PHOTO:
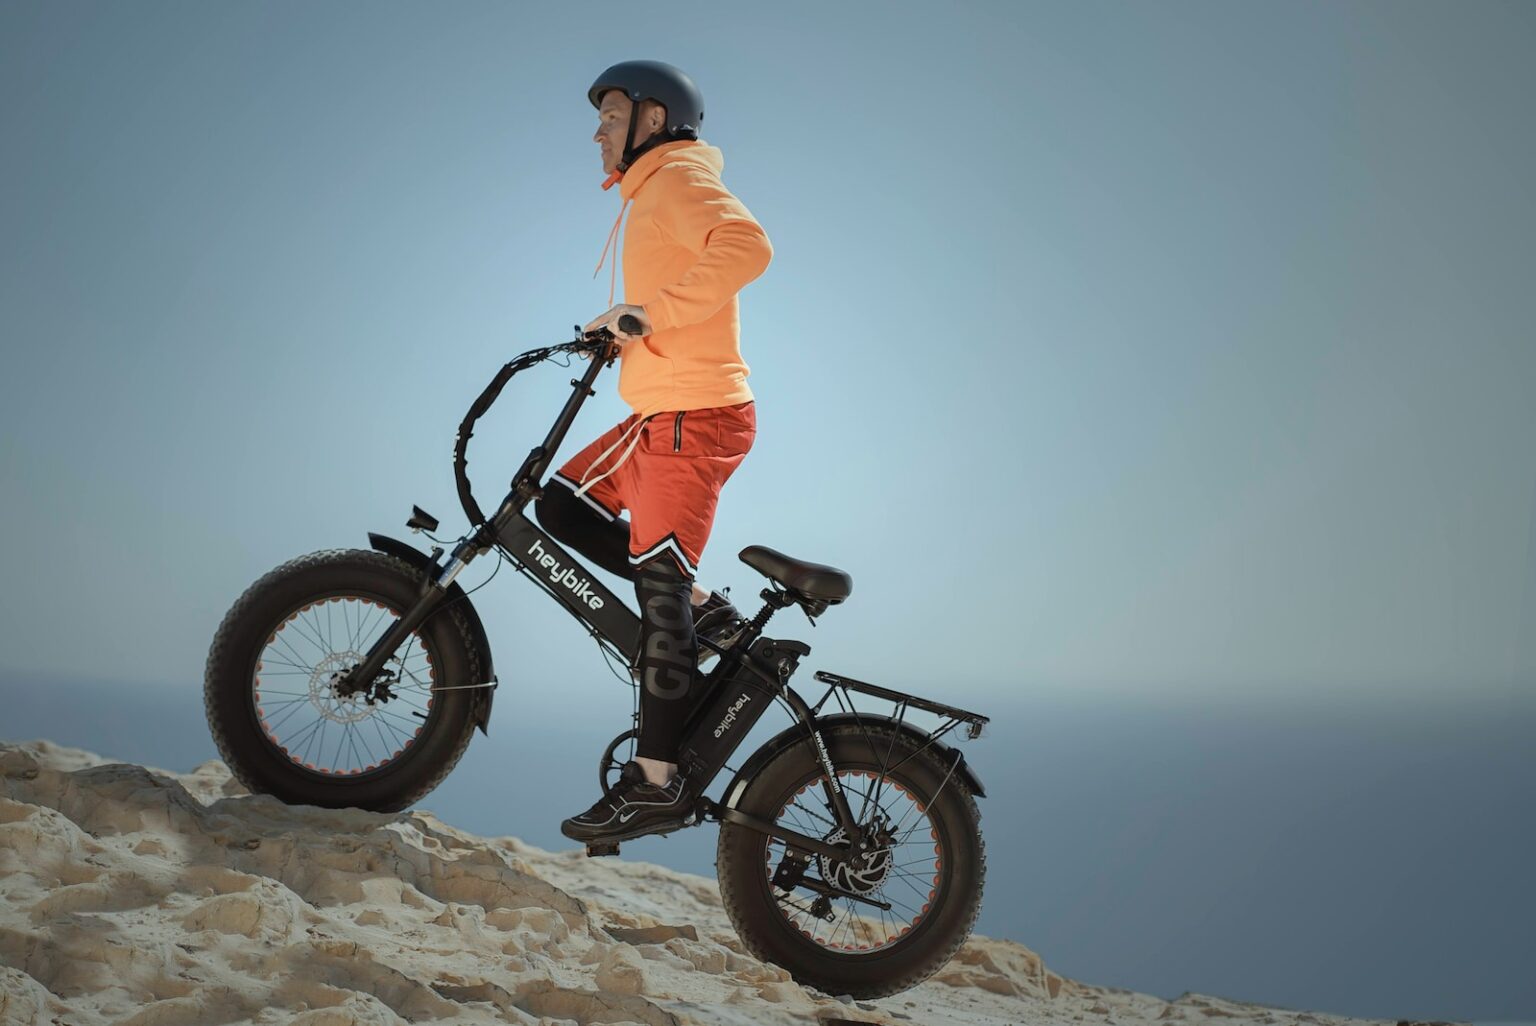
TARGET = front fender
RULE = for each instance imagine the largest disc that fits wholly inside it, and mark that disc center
(482, 697)
(796, 732)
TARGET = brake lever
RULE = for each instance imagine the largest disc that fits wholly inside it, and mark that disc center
(610, 348)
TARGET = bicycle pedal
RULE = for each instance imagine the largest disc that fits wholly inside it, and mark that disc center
(596, 848)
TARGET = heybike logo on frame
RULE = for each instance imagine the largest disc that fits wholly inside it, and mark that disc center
(730, 715)
(580, 587)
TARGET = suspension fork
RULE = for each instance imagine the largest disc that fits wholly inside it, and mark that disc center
(434, 588)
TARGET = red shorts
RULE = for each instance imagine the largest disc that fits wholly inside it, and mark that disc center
(667, 470)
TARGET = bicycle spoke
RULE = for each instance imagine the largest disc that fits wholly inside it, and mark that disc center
(346, 623)
(359, 737)
(800, 823)
(903, 865)
(908, 881)
(300, 671)
(838, 926)
(903, 821)
(274, 724)
(393, 716)
(825, 819)
(317, 734)
(376, 721)
(290, 648)
(312, 637)
(341, 743)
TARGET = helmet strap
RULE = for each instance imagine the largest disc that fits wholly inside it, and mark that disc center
(630, 153)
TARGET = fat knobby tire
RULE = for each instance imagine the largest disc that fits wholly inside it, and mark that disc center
(747, 894)
(227, 684)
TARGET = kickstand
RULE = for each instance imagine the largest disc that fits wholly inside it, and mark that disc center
(596, 848)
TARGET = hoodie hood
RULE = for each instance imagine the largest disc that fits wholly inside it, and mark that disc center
(688, 151)
(694, 151)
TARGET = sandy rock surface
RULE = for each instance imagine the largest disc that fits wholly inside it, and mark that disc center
(136, 896)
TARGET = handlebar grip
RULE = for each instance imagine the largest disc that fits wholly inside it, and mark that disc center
(629, 324)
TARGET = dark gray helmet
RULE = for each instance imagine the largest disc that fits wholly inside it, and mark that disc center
(659, 81)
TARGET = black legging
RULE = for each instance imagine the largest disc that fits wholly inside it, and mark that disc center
(667, 652)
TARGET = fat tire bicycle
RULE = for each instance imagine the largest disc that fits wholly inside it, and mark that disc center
(850, 849)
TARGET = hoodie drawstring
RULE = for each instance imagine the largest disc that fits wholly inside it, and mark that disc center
(585, 484)
(615, 269)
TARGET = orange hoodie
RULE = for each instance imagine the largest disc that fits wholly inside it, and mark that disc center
(689, 247)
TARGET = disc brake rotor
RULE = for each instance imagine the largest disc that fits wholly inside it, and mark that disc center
(863, 874)
(339, 708)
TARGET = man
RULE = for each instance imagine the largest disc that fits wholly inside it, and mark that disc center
(689, 247)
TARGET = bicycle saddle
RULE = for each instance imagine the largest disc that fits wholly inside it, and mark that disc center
(813, 580)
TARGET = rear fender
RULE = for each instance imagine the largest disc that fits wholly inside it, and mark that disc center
(796, 733)
(481, 707)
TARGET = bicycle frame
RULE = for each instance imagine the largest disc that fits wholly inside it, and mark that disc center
(726, 702)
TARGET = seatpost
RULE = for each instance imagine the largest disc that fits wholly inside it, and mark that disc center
(773, 601)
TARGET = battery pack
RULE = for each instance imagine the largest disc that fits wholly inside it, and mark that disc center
(729, 713)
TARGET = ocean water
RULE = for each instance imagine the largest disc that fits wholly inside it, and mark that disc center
(1368, 861)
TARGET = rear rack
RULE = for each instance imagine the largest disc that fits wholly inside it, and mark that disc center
(955, 716)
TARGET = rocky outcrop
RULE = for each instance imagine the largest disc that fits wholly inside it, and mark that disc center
(140, 897)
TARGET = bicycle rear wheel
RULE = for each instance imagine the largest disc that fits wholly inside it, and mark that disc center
(927, 867)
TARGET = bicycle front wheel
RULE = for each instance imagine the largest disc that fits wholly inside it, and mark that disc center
(269, 688)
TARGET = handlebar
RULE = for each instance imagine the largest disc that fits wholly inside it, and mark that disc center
(629, 324)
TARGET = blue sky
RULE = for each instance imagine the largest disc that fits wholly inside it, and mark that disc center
(1124, 353)
(1176, 347)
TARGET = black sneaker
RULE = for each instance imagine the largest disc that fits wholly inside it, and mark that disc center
(719, 621)
(633, 808)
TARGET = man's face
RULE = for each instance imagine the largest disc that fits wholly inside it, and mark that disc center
(613, 116)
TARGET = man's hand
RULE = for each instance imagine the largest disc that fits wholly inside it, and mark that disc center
(610, 320)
